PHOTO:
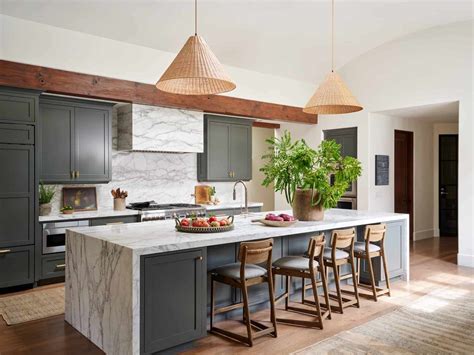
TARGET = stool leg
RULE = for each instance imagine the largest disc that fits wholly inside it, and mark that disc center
(387, 278)
(335, 269)
(358, 271)
(212, 303)
(326, 291)
(302, 290)
(288, 286)
(316, 298)
(372, 277)
(271, 294)
(354, 282)
(247, 313)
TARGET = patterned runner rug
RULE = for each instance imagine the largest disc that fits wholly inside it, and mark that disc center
(32, 305)
(441, 322)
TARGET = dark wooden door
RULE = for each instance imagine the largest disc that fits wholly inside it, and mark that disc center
(448, 185)
(404, 175)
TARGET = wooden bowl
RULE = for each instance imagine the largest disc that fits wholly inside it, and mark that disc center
(276, 223)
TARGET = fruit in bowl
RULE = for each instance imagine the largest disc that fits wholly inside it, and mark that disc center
(283, 217)
(205, 223)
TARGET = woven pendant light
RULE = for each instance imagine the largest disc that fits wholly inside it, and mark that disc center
(333, 96)
(195, 70)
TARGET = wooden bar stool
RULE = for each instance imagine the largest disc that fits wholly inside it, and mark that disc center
(306, 268)
(367, 250)
(242, 275)
(341, 253)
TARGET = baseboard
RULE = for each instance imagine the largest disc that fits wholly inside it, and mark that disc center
(425, 234)
(466, 260)
(436, 232)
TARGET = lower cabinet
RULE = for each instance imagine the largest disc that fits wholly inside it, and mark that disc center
(173, 299)
(53, 265)
(113, 220)
(16, 266)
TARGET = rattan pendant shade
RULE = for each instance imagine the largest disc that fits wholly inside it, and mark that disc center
(332, 97)
(195, 71)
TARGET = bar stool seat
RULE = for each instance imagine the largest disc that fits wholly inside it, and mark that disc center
(340, 254)
(359, 247)
(294, 263)
(233, 271)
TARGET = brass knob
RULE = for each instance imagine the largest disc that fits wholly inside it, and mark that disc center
(199, 258)
(77, 174)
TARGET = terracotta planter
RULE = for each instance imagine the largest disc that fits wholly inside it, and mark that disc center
(302, 208)
(119, 204)
(45, 209)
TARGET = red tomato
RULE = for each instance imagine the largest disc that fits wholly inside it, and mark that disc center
(212, 219)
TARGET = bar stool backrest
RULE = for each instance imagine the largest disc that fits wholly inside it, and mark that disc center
(256, 252)
(375, 233)
(316, 246)
(343, 238)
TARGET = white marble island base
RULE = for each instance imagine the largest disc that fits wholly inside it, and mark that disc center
(103, 267)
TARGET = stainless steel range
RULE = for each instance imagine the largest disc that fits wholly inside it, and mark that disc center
(152, 211)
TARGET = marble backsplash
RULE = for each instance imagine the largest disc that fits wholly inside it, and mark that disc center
(163, 177)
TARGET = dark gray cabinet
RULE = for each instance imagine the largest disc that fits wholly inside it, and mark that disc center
(17, 195)
(75, 141)
(113, 220)
(173, 299)
(16, 266)
(18, 106)
(227, 149)
(346, 137)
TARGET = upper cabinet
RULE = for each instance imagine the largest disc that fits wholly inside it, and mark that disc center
(346, 137)
(76, 141)
(159, 129)
(18, 106)
(227, 149)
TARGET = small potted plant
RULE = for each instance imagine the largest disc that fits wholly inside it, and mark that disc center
(312, 180)
(46, 194)
(67, 209)
(119, 199)
(212, 194)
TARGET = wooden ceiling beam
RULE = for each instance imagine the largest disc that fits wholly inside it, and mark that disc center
(265, 125)
(99, 87)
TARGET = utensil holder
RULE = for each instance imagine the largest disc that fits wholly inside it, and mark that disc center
(119, 204)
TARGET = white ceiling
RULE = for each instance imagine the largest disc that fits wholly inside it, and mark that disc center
(285, 38)
(446, 112)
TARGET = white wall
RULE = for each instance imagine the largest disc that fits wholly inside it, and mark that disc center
(34, 43)
(438, 129)
(427, 67)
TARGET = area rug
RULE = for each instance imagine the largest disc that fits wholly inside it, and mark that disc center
(32, 305)
(441, 322)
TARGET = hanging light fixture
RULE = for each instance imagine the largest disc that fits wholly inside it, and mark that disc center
(332, 96)
(195, 70)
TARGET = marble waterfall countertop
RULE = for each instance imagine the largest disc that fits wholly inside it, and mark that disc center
(103, 267)
(161, 236)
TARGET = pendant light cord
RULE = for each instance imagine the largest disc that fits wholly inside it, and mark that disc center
(332, 37)
(195, 18)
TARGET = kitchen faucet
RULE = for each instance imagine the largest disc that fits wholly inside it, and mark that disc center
(234, 195)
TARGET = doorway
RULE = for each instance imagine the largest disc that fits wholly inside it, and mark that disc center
(448, 185)
(404, 175)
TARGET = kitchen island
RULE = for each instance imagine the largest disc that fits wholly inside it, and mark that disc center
(141, 287)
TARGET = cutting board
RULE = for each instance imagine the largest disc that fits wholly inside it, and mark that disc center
(201, 194)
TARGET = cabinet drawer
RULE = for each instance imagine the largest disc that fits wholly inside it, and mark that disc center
(16, 134)
(16, 106)
(16, 266)
(113, 220)
(53, 266)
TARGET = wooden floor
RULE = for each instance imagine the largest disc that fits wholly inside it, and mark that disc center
(432, 266)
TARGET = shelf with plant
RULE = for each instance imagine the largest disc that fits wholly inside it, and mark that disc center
(45, 196)
(303, 174)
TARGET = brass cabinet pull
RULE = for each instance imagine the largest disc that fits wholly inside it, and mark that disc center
(233, 173)
(77, 174)
(60, 266)
(5, 251)
(199, 258)
(73, 174)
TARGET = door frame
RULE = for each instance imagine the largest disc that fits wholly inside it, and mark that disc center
(439, 184)
(410, 177)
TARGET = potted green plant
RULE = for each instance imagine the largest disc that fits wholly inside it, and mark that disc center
(46, 194)
(212, 194)
(312, 180)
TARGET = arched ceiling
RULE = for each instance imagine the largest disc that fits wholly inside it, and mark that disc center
(285, 38)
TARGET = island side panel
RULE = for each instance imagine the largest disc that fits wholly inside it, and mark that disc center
(99, 292)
